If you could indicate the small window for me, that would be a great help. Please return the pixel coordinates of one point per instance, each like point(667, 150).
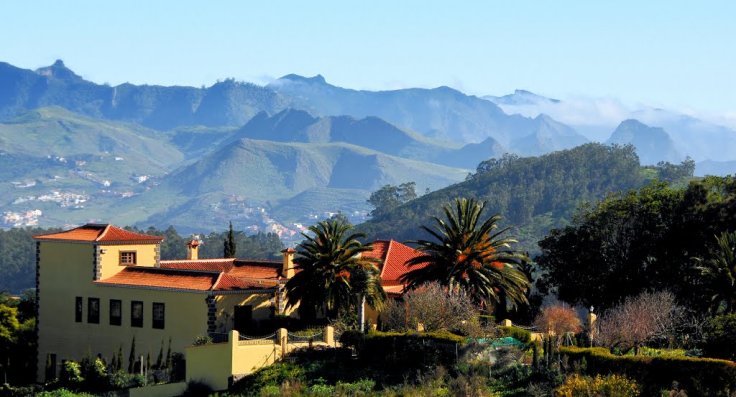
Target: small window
point(78, 304)
point(93, 310)
point(136, 314)
point(128, 258)
point(158, 315)
point(116, 312)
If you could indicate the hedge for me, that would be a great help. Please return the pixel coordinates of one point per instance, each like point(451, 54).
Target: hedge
point(519, 334)
point(405, 350)
point(698, 376)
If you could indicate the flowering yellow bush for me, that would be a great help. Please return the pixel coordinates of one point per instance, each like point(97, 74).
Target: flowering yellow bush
point(603, 386)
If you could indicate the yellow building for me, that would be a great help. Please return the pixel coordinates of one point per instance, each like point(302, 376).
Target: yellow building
point(99, 286)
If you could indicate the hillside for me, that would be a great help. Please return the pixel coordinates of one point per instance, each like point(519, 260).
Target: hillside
point(533, 194)
point(370, 132)
point(239, 179)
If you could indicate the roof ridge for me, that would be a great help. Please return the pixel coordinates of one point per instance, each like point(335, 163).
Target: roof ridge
point(214, 285)
point(104, 232)
point(197, 260)
point(385, 258)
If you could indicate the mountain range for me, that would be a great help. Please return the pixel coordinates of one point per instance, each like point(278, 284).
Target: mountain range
point(279, 156)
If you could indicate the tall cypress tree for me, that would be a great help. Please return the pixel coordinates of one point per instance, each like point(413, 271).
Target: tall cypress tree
point(131, 358)
point(229, 245)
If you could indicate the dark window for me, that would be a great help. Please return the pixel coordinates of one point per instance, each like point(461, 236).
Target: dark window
point(116, 312)
point(93, 310)
point(159, 313)
point(127, 258)
point(78, 304)
point(136, 314)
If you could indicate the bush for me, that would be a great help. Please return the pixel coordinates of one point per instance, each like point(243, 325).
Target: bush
point(720, 337)
point(517, 333)
point(123, 380)
point(698, 376)
point(608, 386)
point(432, 306)
point(71, 374)
point(410, 350)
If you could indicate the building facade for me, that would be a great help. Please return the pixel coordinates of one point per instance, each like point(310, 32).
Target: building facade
point(102, 289)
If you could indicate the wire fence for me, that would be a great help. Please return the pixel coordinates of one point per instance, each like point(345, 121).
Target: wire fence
point(305, 338)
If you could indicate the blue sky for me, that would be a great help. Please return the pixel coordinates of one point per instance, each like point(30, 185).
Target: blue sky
point(665, 53)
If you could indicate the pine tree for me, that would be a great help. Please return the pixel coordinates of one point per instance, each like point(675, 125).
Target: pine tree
point(160, 359)
point(120, 359)
point(229, 245)
point(168, 355)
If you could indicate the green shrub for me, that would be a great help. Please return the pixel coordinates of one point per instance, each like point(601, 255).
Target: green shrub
point(62, 393)
point(363, 387)
point(71, 374)
point(720, 337)
point(517, 333)
point(202, 340)
point(698, 376)
point(608, 386)
point(123, 380)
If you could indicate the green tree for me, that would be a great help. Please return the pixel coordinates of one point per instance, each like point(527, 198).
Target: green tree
point(389, 197)
point(229, 244)
point(331, 272)
point(471, 255)
point(719, 273)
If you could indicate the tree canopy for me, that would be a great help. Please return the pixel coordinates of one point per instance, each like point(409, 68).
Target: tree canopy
point(470, 255)
point(642, 240)
point(332, 274)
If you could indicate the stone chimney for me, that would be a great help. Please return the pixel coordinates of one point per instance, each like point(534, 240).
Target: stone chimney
point(193, 249)
point(287, 266)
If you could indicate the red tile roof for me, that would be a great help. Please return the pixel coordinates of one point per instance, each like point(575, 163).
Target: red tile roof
point(162, 278)
point(152, 277)
point(93, 232)
point(208, 265)
point(394, 257)
point(227, 282)
point(256, 269)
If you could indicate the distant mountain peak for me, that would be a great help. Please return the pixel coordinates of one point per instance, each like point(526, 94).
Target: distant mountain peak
point(652, 144)
point(318, 79)
point(59, 71)
point(520, 97)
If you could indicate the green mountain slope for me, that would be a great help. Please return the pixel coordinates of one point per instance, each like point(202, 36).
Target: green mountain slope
point(370, 132)
point(251, 173)
point(533, 194)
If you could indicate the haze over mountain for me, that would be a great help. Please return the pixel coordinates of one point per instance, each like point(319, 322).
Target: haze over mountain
point(652, 144)
point(277, 157)
point(441, 113)
point(687, 135)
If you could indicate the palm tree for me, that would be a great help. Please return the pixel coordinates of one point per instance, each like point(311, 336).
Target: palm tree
point(471, 256)
point(332, 273)
point(719, 273)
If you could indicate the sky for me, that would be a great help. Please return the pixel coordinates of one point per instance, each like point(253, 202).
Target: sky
point(676, 54)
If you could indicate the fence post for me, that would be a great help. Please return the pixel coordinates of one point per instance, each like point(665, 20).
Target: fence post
point(282, 335)
point(329, 335)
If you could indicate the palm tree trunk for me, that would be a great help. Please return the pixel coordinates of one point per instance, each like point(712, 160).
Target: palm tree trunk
point(361, 312)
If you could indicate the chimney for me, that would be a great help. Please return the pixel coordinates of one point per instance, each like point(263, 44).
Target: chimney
point(287, 266)
point(193, 249)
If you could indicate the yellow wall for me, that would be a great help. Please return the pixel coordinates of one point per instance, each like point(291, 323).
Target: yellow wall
point(66, 272)
point(210, 364)
point(225, 303)
point(110, 260)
